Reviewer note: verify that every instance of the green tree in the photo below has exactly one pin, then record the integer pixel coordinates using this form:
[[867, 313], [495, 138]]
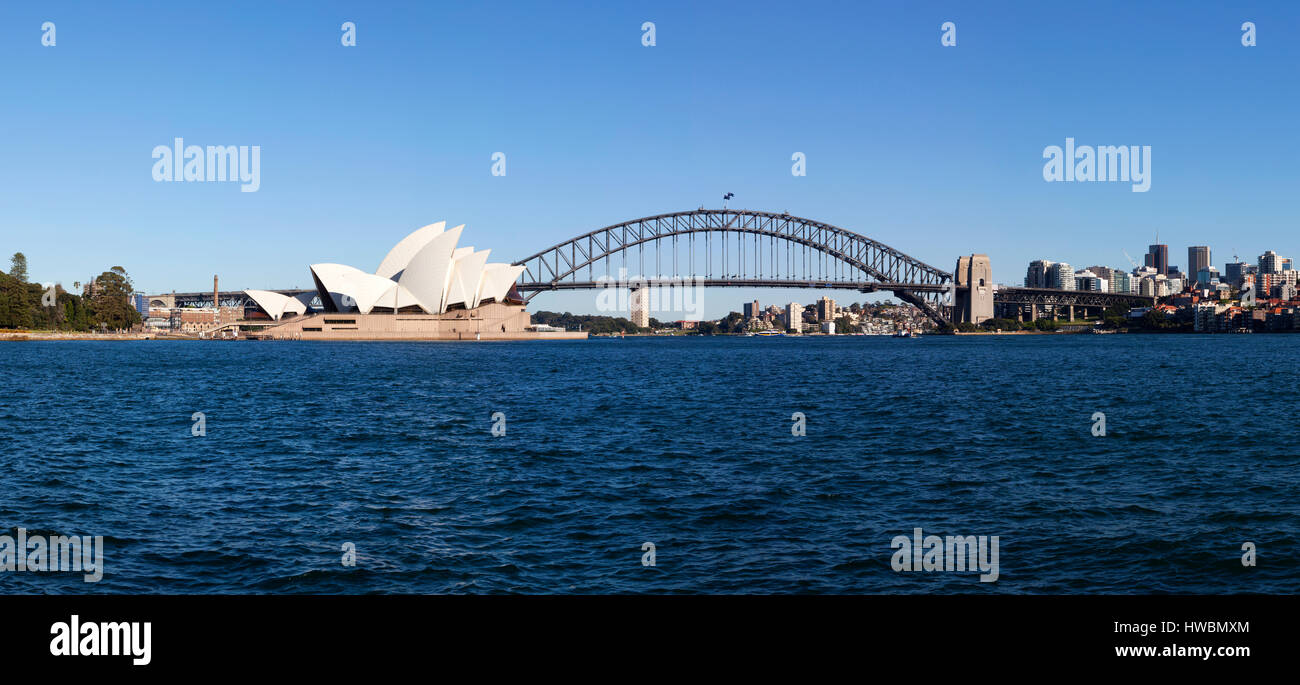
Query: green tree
[[15, 307], [111, 305], [18, 267], [1004, 324], [1046, 324], [732, 323], [1154, 319]]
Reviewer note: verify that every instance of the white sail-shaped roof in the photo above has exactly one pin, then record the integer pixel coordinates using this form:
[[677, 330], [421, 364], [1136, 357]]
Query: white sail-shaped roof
[[406, 248], [365, 291], [427, 274], [466, 274], [497, 279], [460, 253], [426, 269], [275, 304]]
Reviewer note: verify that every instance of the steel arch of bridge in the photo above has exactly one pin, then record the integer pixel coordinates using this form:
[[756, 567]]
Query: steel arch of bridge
[[560, 267]]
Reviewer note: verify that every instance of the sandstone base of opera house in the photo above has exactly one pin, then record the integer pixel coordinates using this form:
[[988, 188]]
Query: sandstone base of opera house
[[491, 321]]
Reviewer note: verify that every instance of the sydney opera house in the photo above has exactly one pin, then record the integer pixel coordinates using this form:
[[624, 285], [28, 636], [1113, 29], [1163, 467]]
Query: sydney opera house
[[426, 288]]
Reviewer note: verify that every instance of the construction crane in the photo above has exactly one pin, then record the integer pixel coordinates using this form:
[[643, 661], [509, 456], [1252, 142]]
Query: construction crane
[[1130, 259]]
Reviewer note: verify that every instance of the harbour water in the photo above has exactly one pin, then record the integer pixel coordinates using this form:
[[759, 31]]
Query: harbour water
[[685, 443]]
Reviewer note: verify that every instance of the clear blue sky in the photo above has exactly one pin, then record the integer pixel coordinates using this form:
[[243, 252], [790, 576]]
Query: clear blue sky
[[935, 151]]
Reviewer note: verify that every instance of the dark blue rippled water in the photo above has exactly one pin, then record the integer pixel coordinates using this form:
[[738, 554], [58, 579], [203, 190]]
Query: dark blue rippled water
[[685, 443]]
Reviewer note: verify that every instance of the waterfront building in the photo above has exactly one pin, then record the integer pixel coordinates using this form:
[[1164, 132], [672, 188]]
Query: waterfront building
[[828, 327], [751, 310], [1103, 272], [1206, 317], [1088, 281], [1230, 318], [794, 316], [640, 307], [1120, 282], [1060, 276], [825, 309], [1037, 274], [426, 288]]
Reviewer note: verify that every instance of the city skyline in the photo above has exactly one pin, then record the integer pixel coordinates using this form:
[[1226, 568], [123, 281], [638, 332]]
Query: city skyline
[[399, 126]]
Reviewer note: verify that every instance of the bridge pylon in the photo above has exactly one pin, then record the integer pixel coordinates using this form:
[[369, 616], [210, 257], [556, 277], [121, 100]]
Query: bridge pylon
[[973, 290]]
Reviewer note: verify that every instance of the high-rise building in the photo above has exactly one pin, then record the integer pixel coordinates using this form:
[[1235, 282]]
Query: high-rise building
[[1148, 287], [794, 316], [826, 309], [141, 304], [1103, 272], [1233, 272], [1270, 263], [1158, 257], [752, 310], [1206, 316], [1206, 276], [1120, 282], [1060, 276], [1266, 283], [1086, 280], [640, 302], [1036, 275], [1198, 257]]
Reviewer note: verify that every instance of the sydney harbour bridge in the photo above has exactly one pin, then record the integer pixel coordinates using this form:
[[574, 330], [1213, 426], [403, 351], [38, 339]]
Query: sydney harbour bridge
[[753, 249], [740, 248]]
